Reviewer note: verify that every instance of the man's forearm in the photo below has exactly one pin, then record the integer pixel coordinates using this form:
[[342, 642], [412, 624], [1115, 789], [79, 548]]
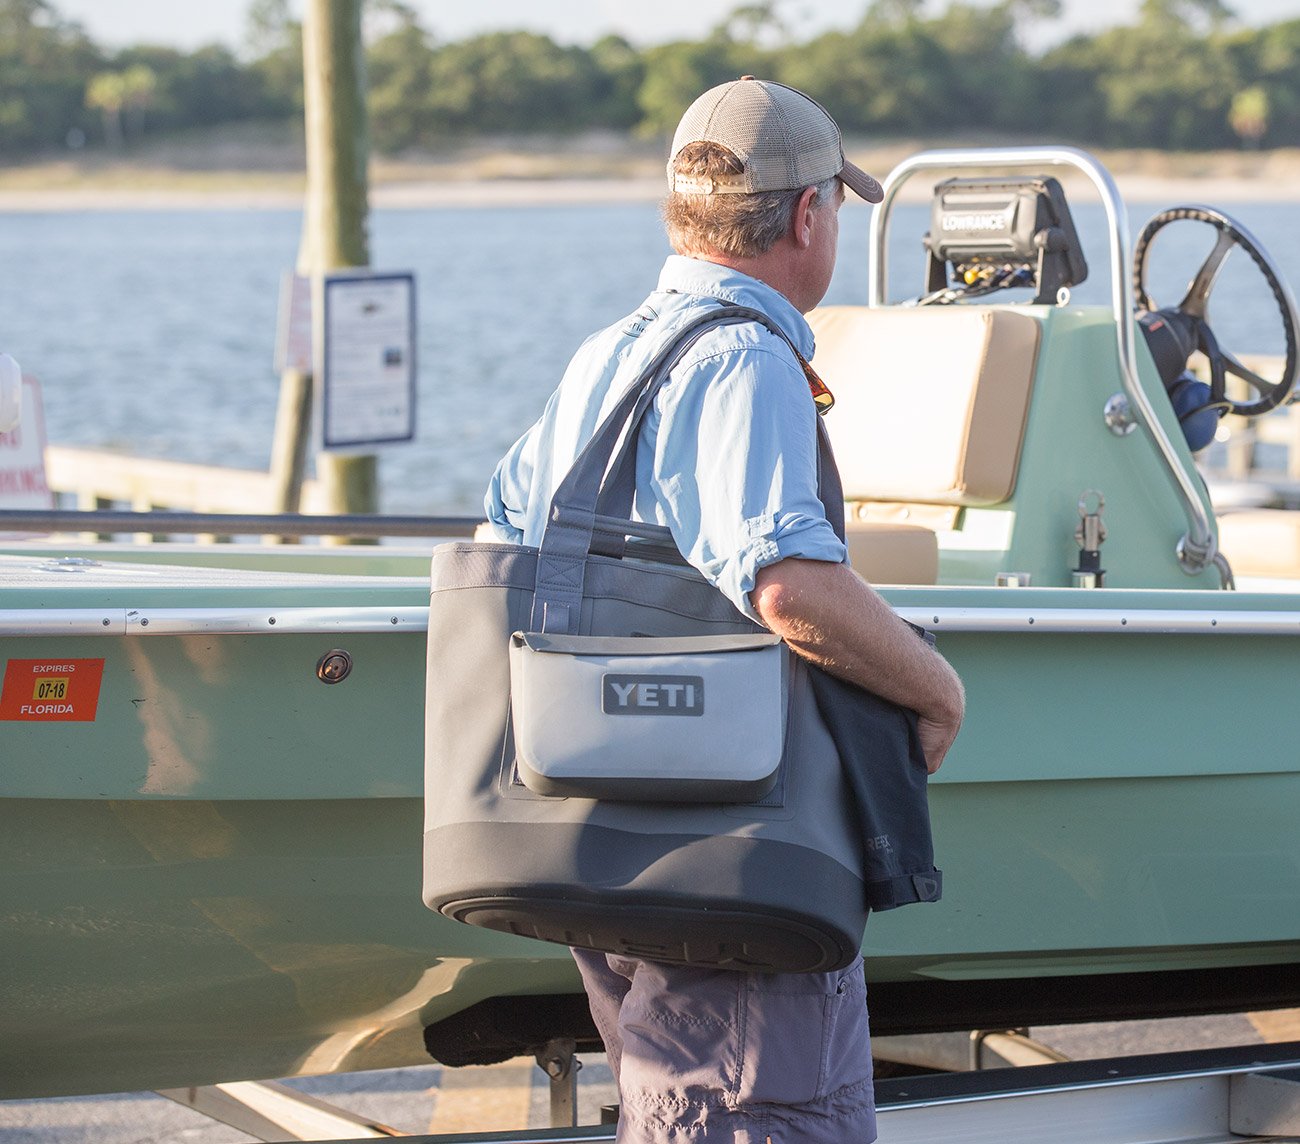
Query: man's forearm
[[830, 615]]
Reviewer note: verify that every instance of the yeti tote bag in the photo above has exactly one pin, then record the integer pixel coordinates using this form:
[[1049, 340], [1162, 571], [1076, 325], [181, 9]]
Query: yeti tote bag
[[618, 759]]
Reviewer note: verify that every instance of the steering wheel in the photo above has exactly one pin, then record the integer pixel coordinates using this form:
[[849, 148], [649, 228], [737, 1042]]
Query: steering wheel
[[1189, 321]]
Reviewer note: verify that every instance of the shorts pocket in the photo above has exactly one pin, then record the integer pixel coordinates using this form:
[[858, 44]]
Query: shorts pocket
[[803, 1036], [846, 1059], [678, 1027]]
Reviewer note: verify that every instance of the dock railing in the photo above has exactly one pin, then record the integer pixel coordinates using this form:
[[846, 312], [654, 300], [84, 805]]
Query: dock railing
[[101, 495], [88, 480]]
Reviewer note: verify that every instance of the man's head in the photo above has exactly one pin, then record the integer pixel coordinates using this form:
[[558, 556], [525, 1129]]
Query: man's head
[[750, 161]]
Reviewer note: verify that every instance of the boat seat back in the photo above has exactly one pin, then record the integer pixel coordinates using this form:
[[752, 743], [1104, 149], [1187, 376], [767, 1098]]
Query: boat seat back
[[930, 412], [930, 403]]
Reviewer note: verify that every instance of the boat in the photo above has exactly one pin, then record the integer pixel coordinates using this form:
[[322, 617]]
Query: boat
[[212, 779]]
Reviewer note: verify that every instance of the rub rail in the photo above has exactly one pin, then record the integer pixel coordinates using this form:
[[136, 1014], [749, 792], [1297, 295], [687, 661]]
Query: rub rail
[[407, 619]]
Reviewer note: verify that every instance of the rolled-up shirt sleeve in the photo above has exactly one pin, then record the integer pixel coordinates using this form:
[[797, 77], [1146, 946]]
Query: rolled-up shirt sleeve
[[513, 471], [734, 467], [512, 489]]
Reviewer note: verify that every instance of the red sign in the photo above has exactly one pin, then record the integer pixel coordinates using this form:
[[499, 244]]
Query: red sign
[[50, 690]]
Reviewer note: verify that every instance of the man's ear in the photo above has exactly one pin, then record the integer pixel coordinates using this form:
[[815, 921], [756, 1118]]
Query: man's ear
[[803, 222]]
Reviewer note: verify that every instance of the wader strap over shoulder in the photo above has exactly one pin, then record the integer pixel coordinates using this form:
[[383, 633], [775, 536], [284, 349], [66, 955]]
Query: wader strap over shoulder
[[829, 489]]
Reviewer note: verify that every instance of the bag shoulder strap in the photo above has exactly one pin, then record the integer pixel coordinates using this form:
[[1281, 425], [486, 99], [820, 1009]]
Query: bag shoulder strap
[[618, 491], [573, 517], [619, 486]]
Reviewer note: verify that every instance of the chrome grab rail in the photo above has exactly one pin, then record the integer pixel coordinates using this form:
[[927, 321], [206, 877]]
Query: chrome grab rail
[[1198, 548]]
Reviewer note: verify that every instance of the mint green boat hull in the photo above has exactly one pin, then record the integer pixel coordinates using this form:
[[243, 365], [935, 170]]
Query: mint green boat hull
[[218, 878]]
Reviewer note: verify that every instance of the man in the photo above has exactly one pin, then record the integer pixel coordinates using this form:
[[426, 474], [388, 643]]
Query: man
[[727, 460]]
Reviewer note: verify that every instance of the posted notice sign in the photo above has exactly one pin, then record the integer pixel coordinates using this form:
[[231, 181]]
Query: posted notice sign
[[367, 360]]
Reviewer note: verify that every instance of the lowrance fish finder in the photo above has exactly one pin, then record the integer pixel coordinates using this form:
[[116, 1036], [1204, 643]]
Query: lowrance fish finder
[[998, 234]]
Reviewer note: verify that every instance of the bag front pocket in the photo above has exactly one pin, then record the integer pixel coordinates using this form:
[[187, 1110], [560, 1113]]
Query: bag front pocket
[[690, 719]]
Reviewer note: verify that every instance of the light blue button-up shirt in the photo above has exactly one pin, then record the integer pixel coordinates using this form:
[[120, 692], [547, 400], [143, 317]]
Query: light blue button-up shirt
[[727, 457]]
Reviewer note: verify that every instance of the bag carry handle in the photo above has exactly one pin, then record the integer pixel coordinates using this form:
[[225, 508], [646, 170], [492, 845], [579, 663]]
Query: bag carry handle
[[596, 496]]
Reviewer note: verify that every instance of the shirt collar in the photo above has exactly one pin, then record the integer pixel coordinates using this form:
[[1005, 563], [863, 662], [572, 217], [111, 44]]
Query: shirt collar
[[684, 275]]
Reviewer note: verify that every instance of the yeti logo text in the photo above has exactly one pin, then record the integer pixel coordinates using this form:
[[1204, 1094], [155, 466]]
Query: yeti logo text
[[653, 695]]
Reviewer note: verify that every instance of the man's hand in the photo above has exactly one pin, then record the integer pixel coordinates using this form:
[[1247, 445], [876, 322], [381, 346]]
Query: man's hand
[[936, 738], [831, 616]]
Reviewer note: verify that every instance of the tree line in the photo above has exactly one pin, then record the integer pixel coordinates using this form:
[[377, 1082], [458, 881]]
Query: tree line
[[1183, 76]]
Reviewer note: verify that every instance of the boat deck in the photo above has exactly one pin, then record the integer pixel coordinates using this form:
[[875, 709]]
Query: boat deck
[[47, 571]]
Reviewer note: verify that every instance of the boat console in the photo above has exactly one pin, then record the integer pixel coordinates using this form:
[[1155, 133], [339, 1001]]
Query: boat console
[[990, 421]]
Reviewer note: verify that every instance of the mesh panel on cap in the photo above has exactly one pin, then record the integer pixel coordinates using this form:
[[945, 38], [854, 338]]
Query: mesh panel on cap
[[784, 139]]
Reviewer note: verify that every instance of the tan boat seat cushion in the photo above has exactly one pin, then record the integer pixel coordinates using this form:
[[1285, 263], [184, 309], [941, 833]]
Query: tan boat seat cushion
[[930, 403], [1262, 542], [887, 553]]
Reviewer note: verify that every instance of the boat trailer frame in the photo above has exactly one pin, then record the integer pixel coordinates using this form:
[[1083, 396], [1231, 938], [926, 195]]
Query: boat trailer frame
[[1205, 1096]]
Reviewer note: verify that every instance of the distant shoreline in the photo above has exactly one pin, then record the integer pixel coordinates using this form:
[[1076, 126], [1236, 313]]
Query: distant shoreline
[[488, 193], [404, 195], [216, 171]]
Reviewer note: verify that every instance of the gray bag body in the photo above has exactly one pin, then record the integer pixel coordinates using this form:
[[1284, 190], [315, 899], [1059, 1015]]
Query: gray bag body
[[769, 880]]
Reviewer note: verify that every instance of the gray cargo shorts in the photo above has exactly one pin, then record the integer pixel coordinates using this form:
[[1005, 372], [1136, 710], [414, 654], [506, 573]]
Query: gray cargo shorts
[[714, 1055]]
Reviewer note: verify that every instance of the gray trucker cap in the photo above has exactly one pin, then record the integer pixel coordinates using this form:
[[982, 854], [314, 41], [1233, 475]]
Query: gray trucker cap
[[785, 140]]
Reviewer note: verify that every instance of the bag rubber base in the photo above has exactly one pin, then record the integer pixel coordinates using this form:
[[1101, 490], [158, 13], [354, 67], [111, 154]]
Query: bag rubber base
[[808, 920]]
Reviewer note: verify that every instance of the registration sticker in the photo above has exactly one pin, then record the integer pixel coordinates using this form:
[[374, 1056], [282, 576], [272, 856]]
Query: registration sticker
[[41, 690]]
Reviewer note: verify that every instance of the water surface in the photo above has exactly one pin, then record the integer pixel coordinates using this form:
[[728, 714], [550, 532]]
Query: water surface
[[153, 331]]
